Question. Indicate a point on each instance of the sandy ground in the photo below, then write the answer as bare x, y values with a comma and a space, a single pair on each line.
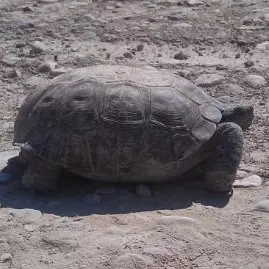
106, 226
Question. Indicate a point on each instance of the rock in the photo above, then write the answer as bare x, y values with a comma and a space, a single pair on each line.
127, 55
156, 251
177, 16
225, 99
248, 64
132, 261
263, 46
233, 89
105, 190
181, 56
15, 73
176, 220
237, 55
251, 181
20, 44
47, 66
182, 25
58, 71
48, 1
241, 174
263, 206
183, 73
255, 81
140, 47
143, 191
4, 178
28, 9
93, 199
10, 61
36, 81
30, 227
208, 80
265, 18
38, 47
5, 156
26, 215
6, 257
258, 156
194, 3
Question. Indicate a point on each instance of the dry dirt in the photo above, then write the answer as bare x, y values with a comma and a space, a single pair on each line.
100, 226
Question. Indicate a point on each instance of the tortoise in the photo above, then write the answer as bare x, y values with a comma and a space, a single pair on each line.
128, 124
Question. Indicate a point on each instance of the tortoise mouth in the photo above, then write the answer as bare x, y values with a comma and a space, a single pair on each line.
242, 115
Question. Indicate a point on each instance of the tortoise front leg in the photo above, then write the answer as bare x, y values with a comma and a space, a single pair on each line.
41, 176
222, 165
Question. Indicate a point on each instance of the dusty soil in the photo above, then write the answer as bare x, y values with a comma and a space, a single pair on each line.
100, 226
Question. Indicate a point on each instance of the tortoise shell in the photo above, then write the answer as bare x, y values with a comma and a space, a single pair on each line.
118, 123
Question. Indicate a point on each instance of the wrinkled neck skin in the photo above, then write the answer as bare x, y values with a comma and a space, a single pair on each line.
242, 115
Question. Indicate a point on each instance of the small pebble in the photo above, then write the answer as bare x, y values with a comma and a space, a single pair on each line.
28, 9
30, 227
16, 73
194, 3
38, 47
132, 261
140, 47
182, 25
241, 174
237, 55
176, 16
176, 220
46, 67
263, 46
4, 177
234, 89
143, 191
225, 99
248, 64
251, 181
181, 56
58, 71
263, 206
265, 17
258, 156
208, 80
255, 81
93, 199
20, 45
127, 55
10, 61
6, 257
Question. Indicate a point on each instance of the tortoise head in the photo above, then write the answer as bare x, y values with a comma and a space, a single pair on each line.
240, 114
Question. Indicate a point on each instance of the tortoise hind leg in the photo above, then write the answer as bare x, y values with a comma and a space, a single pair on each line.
221, 166
41, 176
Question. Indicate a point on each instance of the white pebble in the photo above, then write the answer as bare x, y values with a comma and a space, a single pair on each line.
251, 181
6, 257
208, 80
255, 81
38, 47
26, 215
241, 174
263, 206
